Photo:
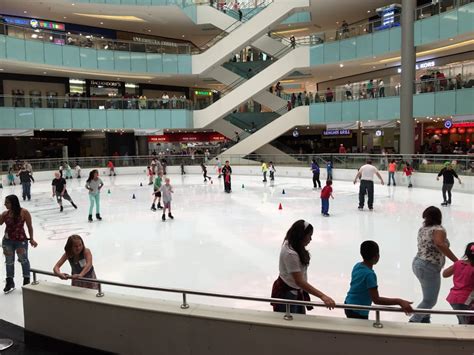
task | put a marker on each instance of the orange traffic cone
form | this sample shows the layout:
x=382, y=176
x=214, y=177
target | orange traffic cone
x=280, y=207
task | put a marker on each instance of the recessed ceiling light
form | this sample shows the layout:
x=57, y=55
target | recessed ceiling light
x=451, y=39
x=45, y=72
x=73, y=4
x=341, y=65
x=65, y=17
x=182, y=36
x=25, y=12
x=1, y=69
x=368, y=11
x=373, y=67
x=101, y=23
x=149, y=30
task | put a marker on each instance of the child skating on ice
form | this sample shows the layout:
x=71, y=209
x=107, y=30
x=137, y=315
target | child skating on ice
x=326, y=192
x=157, y=192
x=166, y=191
x=204, y=173
x=150, y=173
x=408, y=171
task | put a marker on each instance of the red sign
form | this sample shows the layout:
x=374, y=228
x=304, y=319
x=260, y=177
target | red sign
x=464, y=125
x=187, y=137
x=453, y=130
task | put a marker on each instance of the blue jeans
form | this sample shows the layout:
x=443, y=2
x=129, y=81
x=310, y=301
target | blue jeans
x=391, y=177
x=293, y=308
x=324, y=205
x=26, y=187
x=463, y=319
x=21, y=248
x=430, y=279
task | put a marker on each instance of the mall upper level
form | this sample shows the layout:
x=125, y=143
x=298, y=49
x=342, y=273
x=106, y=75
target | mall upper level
x=445, y=31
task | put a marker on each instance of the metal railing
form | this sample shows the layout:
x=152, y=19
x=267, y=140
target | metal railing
x=369, y=26
x=374, y=90
x=141, y=45
x=109, y=103
x=463, y=164
x=288, y=303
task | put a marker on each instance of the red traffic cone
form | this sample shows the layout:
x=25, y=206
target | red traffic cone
x=280, y=207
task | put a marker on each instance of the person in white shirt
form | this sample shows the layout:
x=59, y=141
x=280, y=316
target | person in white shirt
x=348, y=89
x=381, y=88
x=366, y=175
x=165, y=100
x=292, y=282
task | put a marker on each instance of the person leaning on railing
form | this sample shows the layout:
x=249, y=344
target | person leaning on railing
x=292, y=282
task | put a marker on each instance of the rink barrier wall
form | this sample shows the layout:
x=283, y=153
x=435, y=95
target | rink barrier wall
x=419, y=180
x=137, y=325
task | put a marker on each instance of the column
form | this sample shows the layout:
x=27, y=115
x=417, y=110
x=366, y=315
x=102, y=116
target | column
x=407, y=143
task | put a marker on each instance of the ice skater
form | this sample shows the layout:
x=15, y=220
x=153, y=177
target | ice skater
x=264, y=171
x=11, y=177
x=448, y=174
x=156, y=192
x=366, y=175
x=408, y=171
x=316, y=172
x=59, y=190
x=94, y=184
x=326, y=193
x=219, y=168
x=272, y=170
x=25, y=180
x=77, y=168
x=204, y=173
x=392, y=168
x=166, y=191
x=68, y=171
x=329, y=168
x=15, y=240
x=227, y=172
x=150, y=173
x=111, y=167
x=182, y=169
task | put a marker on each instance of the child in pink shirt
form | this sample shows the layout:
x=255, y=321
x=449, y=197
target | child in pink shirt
x=461, y=296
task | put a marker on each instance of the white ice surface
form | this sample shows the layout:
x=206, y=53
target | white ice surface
x=229, y=243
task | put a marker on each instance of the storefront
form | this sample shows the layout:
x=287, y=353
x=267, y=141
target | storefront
x=458, y=71
x=448, y=136
x=179, y=143
x=203, y=98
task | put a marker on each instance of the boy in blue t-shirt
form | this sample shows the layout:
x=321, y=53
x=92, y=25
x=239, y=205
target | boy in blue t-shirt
x=364, y=289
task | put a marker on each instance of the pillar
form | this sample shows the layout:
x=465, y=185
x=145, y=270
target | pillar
x=407, y=140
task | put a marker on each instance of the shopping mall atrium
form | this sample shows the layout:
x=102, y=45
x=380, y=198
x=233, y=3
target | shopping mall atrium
x=191, y=176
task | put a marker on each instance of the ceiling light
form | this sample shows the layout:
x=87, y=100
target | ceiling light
x=182, y=36
x=149, y=30
x=451, y=39
x=368, y=11
x=341, y=65
x=65, y=17
x=45, y=72
x=113, y=17
x=1, y=69
x=101, y=23
x=291, y=31
x=73, y=4
x=25, y=12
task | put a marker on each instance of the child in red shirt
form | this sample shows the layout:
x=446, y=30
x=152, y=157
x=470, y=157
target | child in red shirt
x=326, y=192
x=111, y=167
x=408, y=171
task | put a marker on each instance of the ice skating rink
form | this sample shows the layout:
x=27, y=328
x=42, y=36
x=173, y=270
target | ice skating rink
x=230, y=243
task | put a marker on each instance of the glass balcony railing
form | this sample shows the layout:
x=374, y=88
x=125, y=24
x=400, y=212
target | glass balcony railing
x=109, y=103
x=143, y=45
x=373, y=91
x=364, y=27
x=422, y=163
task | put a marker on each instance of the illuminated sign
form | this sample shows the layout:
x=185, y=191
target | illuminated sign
x=464, y=125
x=34, y=23
x=113, y=84
x=187, y=137
x=337, y=132
x=202, y=93
x=425, y=65
x=448, y=124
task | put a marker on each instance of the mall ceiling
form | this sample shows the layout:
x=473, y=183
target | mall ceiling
x=170, y=21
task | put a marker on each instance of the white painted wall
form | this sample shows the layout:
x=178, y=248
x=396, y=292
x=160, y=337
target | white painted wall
x=420, y=180
x=134, y=325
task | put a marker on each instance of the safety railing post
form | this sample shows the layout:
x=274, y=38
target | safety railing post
x=99, y=291
x=184, y=305
x=377, y=323
x=288, y=315
x=35, y=281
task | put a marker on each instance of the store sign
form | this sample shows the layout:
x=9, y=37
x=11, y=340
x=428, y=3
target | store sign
x=110, y=84
x=187, y=137
x=448, y=124
x=337, y=132
x=425, y=65
x=154, y=41
x=34, y=23
x=464, y=125
x=378, y=133
x=296, y=134
x=202, y=93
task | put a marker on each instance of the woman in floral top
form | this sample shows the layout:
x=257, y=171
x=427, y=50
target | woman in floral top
x=433, y=248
